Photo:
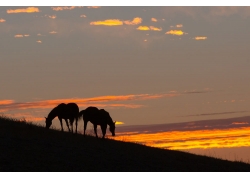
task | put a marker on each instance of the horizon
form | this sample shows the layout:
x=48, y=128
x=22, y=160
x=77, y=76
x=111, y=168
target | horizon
x=145, y=65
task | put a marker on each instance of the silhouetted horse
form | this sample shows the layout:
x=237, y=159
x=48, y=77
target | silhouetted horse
x=98, y=117
x=64, y=111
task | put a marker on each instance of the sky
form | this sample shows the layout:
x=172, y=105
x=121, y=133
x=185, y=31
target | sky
x=161, y=65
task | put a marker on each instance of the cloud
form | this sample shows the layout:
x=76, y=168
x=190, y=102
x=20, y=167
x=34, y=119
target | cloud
x=52, y=17
x=18, y=36
x=101, y=101
x=39, y=41
x=176, y=32
x=21, y=35
x=212, y=114
x=154, y=19
x=232, y=132
x=83, y=15
x=117, y=22
x=4, y=102
x=148, y=28
x=2, y=20
x=53, y=32
x=200, y=38
x=27, y=10
x=135, y=21
x=108, y=22
x=62, y=8
x=179, y=25
x=143, y=28
x=94, y=7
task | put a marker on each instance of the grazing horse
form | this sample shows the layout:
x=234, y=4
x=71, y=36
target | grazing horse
x=98, y=117
x=64, y=111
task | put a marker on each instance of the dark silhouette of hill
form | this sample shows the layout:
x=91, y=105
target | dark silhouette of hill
x=27, y=147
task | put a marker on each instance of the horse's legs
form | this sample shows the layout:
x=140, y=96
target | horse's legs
x=103, y=127
x=66, y=120
x=95, y=129
x=85, y=126
x=60, y=119
x=76, y=125
x=71, y=124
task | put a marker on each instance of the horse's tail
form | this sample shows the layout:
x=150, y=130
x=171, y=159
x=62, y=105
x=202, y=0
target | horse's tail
x=80, y=114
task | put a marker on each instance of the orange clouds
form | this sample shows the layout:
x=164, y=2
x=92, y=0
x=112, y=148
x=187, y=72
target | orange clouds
x=117, y=22
x=27, y=10
x=65, y=8
x=39, y=41
x=176, y=32
x=101, y=101
x=200, y=38
x=148, y=28
x=2, y=20
x=2, y=102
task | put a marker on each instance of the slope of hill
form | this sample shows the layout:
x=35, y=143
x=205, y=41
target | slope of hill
x=27, y=147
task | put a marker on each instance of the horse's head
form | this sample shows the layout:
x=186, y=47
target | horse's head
x=112, y=128
x=48, y=122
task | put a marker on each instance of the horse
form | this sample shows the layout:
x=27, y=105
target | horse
x=97, y=117
x=64, y=111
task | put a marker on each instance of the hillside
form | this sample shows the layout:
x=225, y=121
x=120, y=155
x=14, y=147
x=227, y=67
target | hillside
x=27, y=147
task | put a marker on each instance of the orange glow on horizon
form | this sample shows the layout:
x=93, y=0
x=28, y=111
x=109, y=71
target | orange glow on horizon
x=180, y=140
x=27, y=10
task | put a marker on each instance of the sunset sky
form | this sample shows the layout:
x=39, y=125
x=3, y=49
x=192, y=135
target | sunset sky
x=143, y=64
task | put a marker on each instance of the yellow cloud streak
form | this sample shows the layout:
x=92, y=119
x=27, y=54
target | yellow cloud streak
x=65, y=8
x=200, y=38
x=176, y=32
x=179, y=140
x=2, y=20
x=108, y=22
x=148, y=28
x=117, y=22
x=27, y=10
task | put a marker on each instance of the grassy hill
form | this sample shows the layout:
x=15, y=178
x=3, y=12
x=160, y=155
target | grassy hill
x=27, y=147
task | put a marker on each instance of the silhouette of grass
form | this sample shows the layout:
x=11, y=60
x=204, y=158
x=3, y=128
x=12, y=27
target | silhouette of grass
x=26, y=147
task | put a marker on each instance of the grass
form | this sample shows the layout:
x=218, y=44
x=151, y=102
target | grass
x=25, y=147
